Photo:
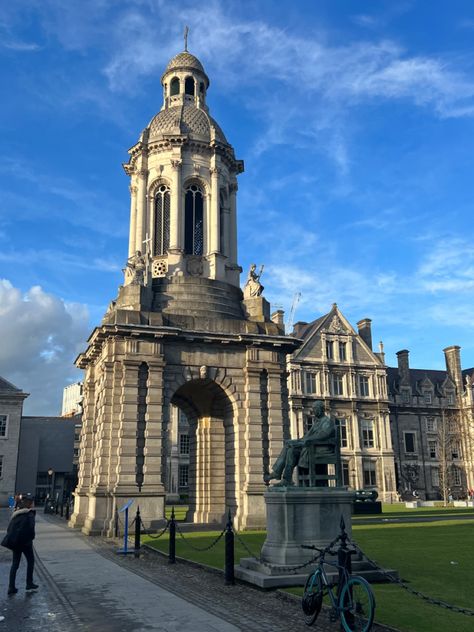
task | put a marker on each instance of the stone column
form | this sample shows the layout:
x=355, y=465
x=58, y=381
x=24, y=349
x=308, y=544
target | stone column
x=172, y=493
x=232, y=229
x=103, y=429
x=214, y=215
x=127, y=443
x=81, y=500
x=176, y=219
x=133, y=220
x=253, y=506
x=141, y=210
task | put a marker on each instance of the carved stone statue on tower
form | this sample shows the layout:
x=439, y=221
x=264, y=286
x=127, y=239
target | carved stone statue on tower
x=136, y=268
x=253, y=287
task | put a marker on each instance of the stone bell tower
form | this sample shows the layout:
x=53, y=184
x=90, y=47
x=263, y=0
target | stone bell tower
x=182, y=333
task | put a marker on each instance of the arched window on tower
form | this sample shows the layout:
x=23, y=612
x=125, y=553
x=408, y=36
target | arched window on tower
x=193, y=221
x=174, y=86
x=161, y=240
x=189, y=86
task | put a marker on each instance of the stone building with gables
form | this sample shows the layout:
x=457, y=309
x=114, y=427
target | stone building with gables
x=337, y=365
x=431, y=415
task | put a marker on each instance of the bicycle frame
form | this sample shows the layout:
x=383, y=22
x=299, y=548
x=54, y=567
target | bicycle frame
x=330, y=587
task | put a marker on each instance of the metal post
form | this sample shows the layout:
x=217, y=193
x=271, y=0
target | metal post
x=229, y=553
x=138, y=525
x=67, y=507
x=125, y=533
x=172, y=540
x=116, y=523
x=61, y=509
x=344, y=562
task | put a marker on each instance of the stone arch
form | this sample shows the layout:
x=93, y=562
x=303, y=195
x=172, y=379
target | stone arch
x=213, y=417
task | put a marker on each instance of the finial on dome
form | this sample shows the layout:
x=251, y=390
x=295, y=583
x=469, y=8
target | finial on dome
x=186, y=31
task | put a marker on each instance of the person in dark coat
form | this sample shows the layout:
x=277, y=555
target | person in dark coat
x=19, y=538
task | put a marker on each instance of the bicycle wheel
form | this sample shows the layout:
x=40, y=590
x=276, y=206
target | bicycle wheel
x=357, y=605
x=312, y=597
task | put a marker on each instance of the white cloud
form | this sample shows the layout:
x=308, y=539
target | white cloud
x=40, y=337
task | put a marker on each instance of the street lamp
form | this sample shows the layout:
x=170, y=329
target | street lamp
x=50, y=492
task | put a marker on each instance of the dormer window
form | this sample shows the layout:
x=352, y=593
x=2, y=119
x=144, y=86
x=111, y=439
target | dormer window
x=174, y=86
x=427, y=397
x=189, y=86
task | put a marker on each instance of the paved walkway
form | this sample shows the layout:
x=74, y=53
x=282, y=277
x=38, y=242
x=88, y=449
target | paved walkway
x=85, y=585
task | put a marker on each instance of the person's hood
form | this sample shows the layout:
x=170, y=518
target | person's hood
x=19, y=512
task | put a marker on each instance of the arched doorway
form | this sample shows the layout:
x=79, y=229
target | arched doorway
x=212, y=450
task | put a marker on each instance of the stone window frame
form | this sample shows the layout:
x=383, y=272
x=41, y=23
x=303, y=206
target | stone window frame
x=342, y=349
x=190, y=182
x=431, y=424
x=367, y=429
x=369, y=466
x=405, y=396
x=427, y=397
x=433, y=448
x=337, y=378
x=435, y=476
x=330, y=349
x=4, y=423
x=184, y=443
x=457, y=478
x=344, y=432
x=364, y=379
x=415, y=442
x=456, y=450
x=310, y=379
x=183, y=475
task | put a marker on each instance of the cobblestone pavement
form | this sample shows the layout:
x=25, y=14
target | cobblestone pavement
x=85, y=585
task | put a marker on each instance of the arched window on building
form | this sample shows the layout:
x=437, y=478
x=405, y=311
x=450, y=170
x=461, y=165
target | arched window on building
x=174, y=86
x=189, y=86
x=193, y=221
x=161, y=240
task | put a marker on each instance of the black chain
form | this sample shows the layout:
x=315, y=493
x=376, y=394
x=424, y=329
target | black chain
x=417, y=593
x=197, y=548
x=157, y=535
x=287, y=569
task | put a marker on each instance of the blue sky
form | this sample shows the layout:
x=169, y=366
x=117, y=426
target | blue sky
x=355, y=120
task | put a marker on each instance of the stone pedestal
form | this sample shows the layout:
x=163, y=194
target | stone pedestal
x=303, y=515
x=257, y=308
x=296, y=516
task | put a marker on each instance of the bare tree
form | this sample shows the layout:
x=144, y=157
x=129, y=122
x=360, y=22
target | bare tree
x=449, y=449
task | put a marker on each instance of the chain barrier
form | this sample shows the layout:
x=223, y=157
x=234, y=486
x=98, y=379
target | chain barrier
x=288, y=569
x=155, y=536
x=400, y=582
x=197, y=548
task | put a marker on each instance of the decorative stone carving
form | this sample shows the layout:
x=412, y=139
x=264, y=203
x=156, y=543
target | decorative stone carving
x=176, y=164
x=194, y=266
x=159, y=268
x=135, y=270
x=253, y=287
x=336, y=326
x=203, y=372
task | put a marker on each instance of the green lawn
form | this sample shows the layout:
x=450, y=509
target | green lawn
x=179, y=511
x=400, y=511
x=422, y=553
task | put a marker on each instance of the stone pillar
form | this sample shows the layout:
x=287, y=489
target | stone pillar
x=133, y=220
x=172, y=493
x=81, y=499
x=232, y=253
x=141, y=210
x=214, y=216
x=176, y=220
x=252, y=512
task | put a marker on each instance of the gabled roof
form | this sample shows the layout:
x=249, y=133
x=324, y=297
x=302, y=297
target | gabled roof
x=5, y=385
x=417, y=377
x=332, y=322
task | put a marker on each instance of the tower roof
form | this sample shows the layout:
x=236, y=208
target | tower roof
x=185, y=61
x=185, y=119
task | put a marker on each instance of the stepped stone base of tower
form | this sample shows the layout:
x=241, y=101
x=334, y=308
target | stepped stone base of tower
x=183, y=342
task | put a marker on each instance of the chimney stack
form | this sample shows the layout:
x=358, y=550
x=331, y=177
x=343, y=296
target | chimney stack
x=403, y=366
x=453, y=366
x=365, y=331
x=278, y=317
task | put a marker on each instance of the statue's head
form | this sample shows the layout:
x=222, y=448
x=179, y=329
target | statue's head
x=318, y=408
x=253, y=267
x=138, y=253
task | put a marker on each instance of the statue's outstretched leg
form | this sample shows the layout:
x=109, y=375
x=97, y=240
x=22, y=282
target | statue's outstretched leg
x=278, y=466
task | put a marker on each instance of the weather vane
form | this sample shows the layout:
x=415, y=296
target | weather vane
x=186, y=31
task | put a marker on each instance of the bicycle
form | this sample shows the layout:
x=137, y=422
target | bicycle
x=354, y=604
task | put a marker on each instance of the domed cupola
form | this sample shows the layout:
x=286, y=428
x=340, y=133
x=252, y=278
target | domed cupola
x=183, y=187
